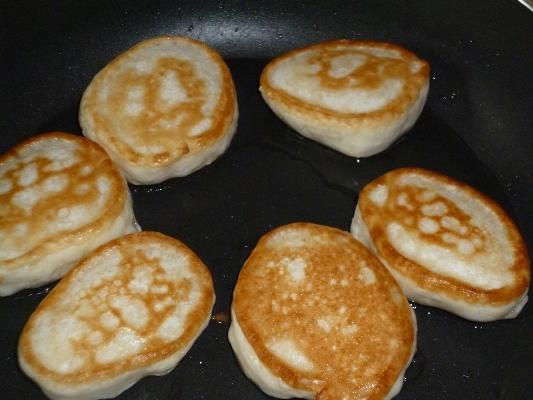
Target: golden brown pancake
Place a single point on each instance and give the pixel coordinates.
(447, 244)
(164, 108)
(61, 196)
(131, 308)
(354, 96)
(316, 315)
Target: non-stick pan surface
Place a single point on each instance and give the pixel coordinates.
(477, 127)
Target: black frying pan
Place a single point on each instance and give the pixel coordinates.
(477, 127)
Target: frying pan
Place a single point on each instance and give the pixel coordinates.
(477, 126)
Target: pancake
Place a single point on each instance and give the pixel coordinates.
(316, 315)
(60, 197)
(354, 96)
(447, 245)
(132, 308)
(164, 108)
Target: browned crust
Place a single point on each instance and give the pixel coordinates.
(157, 352)
(254, 292)
(394, 110)
(429, 280)
(112, 209)
(224, 113)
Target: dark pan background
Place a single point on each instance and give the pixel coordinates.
(477, 126)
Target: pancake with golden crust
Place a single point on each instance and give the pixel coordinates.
(162, 109)
(446, 244)
(316, 315)
(132, 308)
(354, 96)
(61, 196)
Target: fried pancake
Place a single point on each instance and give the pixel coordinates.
(132, 308)
(447, 245)
(316, 315)
(164, 108)
(60, 197)
(354, 96)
